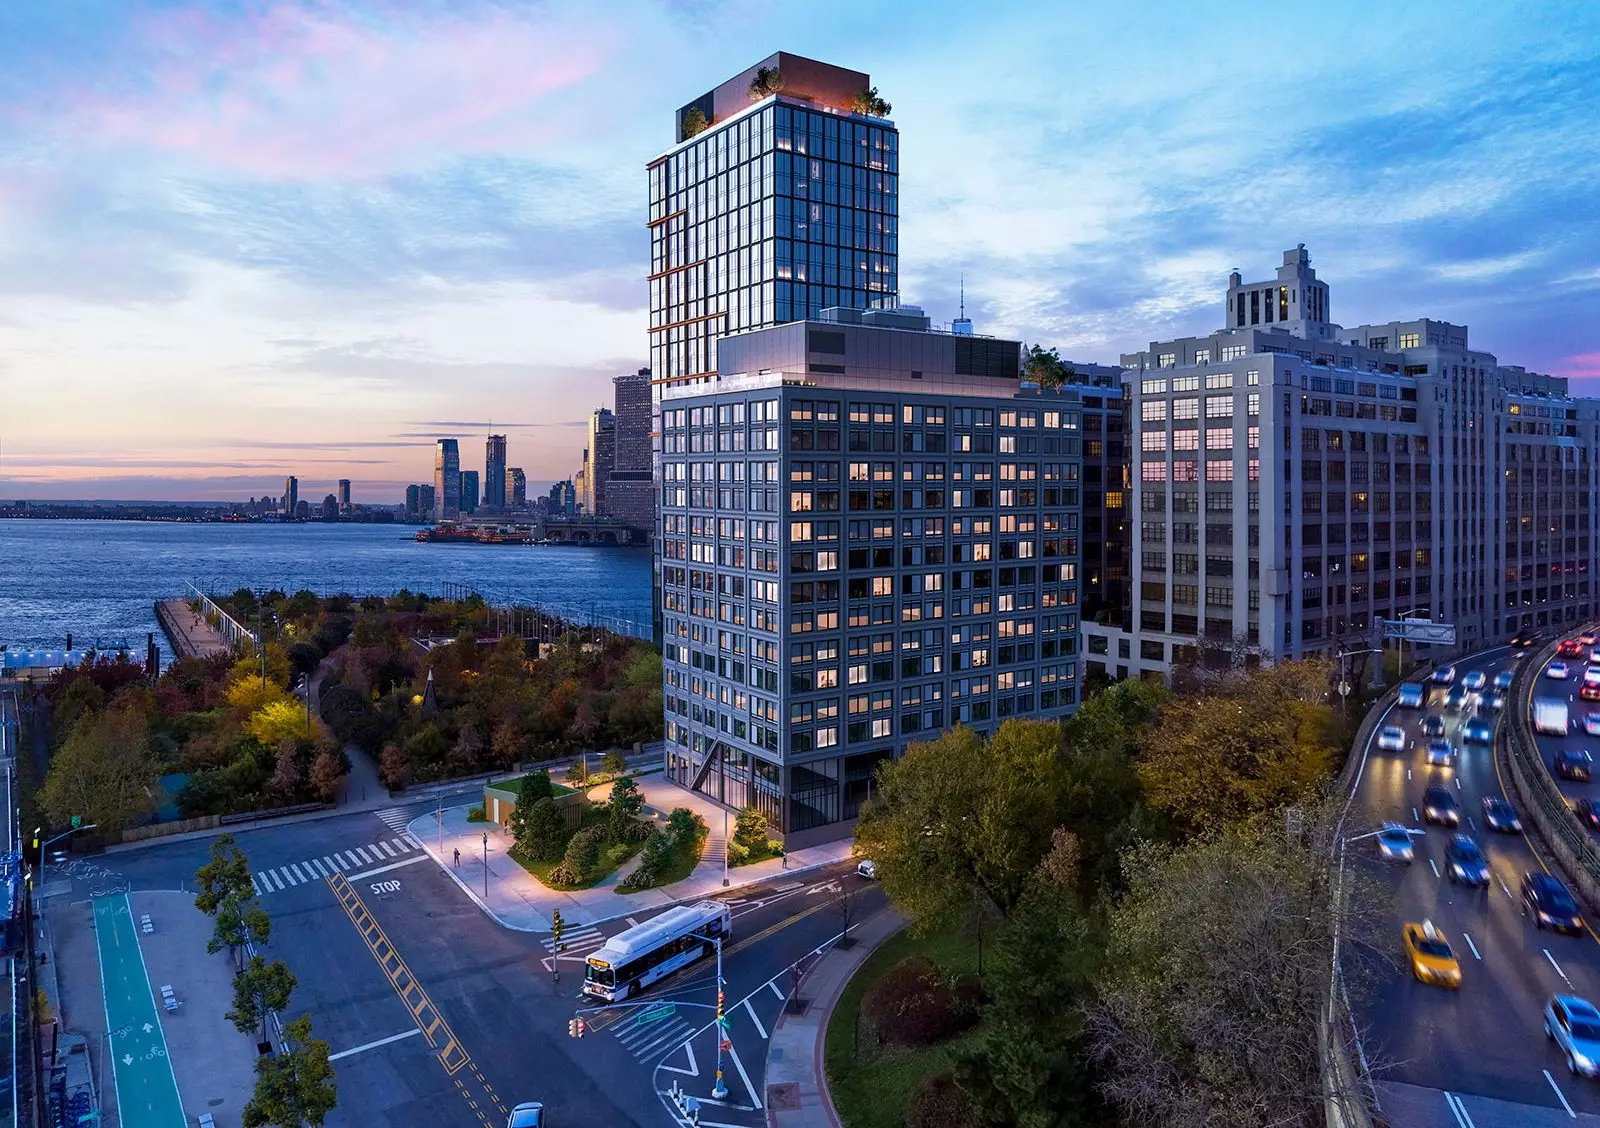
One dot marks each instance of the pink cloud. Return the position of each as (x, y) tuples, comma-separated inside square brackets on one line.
[(287, 93), (1578, 366)]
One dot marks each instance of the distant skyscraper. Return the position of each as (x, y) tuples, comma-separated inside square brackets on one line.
[(344, 495), (330, 508), (291, 496), (516, 488), (413, 502), (428, 501), (629, 494), (446, 480), (469, 491), (494, 472), (563, 499), (599, 458)]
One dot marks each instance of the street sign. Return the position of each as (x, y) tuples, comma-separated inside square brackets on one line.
[(658, 1012), (1420, 630), (77, 821)]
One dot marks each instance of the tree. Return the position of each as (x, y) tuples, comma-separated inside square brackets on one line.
[(1265, 741), (767, 81), (259, 987), (868, 102), (1046, 368), (239, 922), (582, 855), (105, 772), (394, 767), (750, 829), (623, 807), (286, 775), (327, 773), (539, 828), (1226, 942), (955, 820), (277, 721), (226, 876), (613, 762), (295, 1085), (694, 122)]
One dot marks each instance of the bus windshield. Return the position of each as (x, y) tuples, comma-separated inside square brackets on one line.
[(604, 976)]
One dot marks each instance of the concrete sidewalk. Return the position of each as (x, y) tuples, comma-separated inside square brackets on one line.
[(797, 1078), (517, 900), (199, 638)]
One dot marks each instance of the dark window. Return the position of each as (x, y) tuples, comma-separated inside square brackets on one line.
[(823, 341)]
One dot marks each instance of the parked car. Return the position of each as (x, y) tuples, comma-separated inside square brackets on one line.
[(867, 869)]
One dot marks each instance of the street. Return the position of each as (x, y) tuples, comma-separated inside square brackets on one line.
[(436, 1015)]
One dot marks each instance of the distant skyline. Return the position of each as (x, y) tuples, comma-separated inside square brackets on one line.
[(243, 240)]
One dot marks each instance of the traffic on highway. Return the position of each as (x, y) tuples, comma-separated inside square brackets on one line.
[(1489, 1017)]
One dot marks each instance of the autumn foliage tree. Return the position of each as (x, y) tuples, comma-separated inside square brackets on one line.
[(105, 771)]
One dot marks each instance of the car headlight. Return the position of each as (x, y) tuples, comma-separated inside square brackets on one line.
[(1457, 870), (1544, 917), (1583, 1061)]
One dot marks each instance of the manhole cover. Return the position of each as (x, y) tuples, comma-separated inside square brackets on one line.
[(783, 1096)]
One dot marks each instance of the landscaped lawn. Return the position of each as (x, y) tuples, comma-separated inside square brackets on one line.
[(755, 856), (873, 1091), (610, 858), (684, 859)]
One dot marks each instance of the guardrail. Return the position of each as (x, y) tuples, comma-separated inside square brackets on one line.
[(1542, 802), (234, 631)]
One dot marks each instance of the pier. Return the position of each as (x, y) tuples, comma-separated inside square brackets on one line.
[(188, 631)]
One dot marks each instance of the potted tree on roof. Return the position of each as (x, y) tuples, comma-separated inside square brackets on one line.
[(767, 81), (870, 103), (1045, 367)]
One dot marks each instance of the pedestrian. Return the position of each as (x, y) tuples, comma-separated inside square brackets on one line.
[(458, 857)]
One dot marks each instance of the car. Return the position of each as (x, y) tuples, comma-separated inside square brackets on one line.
[(1573, 764), (528, 1114), (1591, 672), (1475, 681), (1498, 815), (1495, 702), (1504, 678), (1464, 861), (1573, 1024), (1410, 695), (1392, 738), (1591, 723), (1439, 805), (1549, 904), (1557, 671), (1589, 691), (1455, 697), (1594, 654), (1429, 954), (1441, 753), (1569, 648), (1587, 638), (1588, 814), (1432, 726), (1478, 731), (1444, 675), (1394, 843), (867, 868)]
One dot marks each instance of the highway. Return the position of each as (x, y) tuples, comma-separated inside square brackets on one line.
[(1477, 1057)]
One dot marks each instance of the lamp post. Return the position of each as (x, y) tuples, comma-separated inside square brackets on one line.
[(486, 865), (720, 1090), (724, 866), (1400, 652)]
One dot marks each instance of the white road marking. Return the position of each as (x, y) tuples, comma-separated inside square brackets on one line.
[(1557, 966), (1457, 1110), (333, 866), (384, 846), (1559, 1094), (752, 1012), (1471, 945), (350, 860), (306, 874), (631, 922), (775, 991), (362, 854), (1434, 866), (657, 1044), (385, 869), (1458, 783), (751, 1089), (316, 865), (694, 1068), (1408, 775), (401, 845), (255, 887), (283, 878), (373, 1045), (1413, 814), (1504, 886)]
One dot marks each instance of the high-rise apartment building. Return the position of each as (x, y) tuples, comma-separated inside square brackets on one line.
[(516, 487), (1292, 481), (494, 473), (870, 533), (344, 495), (291, 496), (446, 480), (469, 492), (598, 458), (630, 496), (563, 499)]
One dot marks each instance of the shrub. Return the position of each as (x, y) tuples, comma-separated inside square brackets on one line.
[(940, 1103), (912, 1005), (683, 824), (394, 768), (583, 854), (614, 763), (737, 852), (540, 829), (750, 830), (536, 786), (476, 815), (653, 859)]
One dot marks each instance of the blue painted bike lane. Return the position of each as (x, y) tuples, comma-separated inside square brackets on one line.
[(147, 1090)]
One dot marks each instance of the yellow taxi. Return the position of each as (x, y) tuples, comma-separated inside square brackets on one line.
[(1432, 961)]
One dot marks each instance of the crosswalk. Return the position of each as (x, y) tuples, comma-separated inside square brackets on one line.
[(577, 940), (647, 1041), (396, 818), (350, 860)]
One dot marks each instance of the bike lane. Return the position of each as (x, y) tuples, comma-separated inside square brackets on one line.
[(147, 1090)]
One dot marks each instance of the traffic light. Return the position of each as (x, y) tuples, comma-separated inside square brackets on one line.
[(558, 929), (576, 1028)]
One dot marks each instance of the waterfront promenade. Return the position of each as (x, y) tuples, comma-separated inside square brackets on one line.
[(190, 635)]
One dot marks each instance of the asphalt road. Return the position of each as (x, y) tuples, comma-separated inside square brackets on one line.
[(1478, 1056), (435, 1015)]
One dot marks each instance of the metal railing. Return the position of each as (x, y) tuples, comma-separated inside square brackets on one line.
[(234, 631)]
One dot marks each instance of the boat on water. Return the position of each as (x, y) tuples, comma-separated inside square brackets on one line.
[(476, 534)]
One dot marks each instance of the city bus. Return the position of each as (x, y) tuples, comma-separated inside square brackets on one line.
[(630, 961)]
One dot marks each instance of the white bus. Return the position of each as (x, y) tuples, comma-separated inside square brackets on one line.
[(630, 961)]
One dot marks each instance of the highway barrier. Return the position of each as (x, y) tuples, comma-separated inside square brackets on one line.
[(1544, 808)]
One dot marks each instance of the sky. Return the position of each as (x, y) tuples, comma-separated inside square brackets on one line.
[(242, 240)]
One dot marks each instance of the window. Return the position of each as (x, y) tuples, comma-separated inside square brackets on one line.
[(1219, 470), (1219, 438), (1167, 360), (1411, 340), (1234, 352), (1153, 440), (1187, 408), (1152, 411), (1219, 380)]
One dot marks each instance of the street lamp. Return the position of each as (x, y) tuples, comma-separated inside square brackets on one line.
[(1338, 906)]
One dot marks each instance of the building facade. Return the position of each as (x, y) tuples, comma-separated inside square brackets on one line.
[(599, 456), (494, 473), (446, 480), (870, 534), (291, 496), (469, 492), (1293, 483), (516, 488), (344, 495), (563, 499), (630, 494)]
